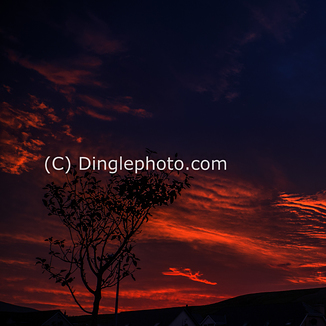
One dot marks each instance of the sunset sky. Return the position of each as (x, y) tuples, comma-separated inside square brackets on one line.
[(243, 81)]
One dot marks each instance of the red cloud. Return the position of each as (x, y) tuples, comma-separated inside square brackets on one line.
[(15, 262), (7, 88), (59, 75), (15, 118), (245, 220), (92, 101), (20, 139), (18, 148), (304, 204), (49, 112), (67, 132), (64, 74), (118, 106), (187, 273), (16, 155), (317, 278), (96, 115)]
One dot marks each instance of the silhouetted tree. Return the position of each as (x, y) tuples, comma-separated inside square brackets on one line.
[(102, 221)]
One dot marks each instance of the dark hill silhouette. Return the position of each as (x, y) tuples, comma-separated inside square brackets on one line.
[(8, 307), (309, 296), (242, 304), (285, 302)]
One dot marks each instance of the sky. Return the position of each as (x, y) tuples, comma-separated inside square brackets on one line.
[(242, 81)]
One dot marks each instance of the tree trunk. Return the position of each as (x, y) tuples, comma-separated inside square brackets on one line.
[(96, 303)]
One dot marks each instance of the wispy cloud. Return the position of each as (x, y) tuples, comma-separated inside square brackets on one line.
[(95, 114), (14, 262), (93, 35), (20, 237), (317, 278), (26, 131), (188, 273), (18, 146), (46, 110), (7, 88), (65, 73), (18, 119), (70, 73), (281, 231), (67, 131), (120, 105), (307, 204)]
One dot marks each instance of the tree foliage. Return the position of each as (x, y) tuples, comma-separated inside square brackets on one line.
[(102, 219)]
